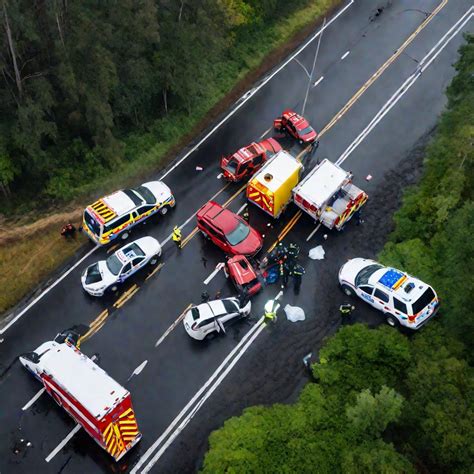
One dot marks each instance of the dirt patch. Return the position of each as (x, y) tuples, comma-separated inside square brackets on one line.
[(276, 374)]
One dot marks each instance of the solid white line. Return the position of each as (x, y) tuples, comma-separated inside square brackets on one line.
[(242, 208), (61, 278), (256, 89), (344, 56), (170, 329), (318, 81), (219, 267), (313, 232), (201, 402), (168, 430), (265, 133), (405, 87), (63, 443), (33, 400)]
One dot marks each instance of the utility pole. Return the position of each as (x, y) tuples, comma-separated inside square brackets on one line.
[(310, 78)]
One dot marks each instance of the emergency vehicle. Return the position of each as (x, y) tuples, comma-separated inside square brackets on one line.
[(270, 189), (296, 125), (114, 215), (403, 299), (249, 159), (91, 397), (327, 194)]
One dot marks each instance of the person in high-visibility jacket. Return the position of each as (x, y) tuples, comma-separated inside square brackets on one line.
[(271, 308), (346, 312), (177, 236)]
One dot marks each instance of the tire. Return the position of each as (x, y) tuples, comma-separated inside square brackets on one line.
[(113, 288), (347, 290), (125, 235), (391, 320), (164, 210), (210, 336), (154, 260)]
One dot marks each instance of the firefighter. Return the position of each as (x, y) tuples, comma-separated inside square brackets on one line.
[(177, 236), (69, 230), (285, 271), (271, 308), (297, 273), (346, 311), (281, 251), (293, 251)]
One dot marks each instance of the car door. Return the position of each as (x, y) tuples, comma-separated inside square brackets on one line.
[(218, 238), (207, 325), (366, 292), (137, 263), (125, 272), (381, 300)]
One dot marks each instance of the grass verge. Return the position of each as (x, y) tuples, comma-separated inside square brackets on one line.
[(31, 252)]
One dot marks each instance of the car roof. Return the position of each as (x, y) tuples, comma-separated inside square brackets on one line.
[(129, 252), (220, 217), (297, 120), (247, 152), (397, 283), (213, 308), (119, 202)]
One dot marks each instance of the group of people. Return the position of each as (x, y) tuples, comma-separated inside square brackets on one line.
[(287, 260)]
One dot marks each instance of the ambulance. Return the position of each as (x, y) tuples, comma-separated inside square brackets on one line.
[(91, 397), (270, 189), (327, 194)]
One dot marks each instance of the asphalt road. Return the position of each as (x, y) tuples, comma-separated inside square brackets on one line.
[(264, 366)]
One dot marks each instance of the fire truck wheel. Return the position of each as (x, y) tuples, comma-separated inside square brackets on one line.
[(164, 210), (392, 321), (347, 290), (124, 236)]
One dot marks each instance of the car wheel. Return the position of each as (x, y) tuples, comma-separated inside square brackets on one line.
[(347, 290), (125, 235), (209, 336), (113, 288), (391, 320), (154, 259), (164, 210)]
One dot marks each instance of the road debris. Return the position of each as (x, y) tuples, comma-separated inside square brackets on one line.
[(294, 313), (317, 253)]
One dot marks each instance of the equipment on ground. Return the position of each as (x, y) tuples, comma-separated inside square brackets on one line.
[(91, 397)]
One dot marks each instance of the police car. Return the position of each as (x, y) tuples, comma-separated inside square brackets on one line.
[(403, 299), (109, 274), (208, 318)]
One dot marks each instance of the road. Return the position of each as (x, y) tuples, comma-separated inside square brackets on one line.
[(363, 61)]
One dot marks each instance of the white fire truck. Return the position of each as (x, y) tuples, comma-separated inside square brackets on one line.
[(327, 194), (91, 397)]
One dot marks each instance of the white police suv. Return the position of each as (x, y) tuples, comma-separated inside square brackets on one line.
[(108, 274), (403, 299), (211, 317)]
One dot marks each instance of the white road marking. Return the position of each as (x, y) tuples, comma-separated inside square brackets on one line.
[(256, 89), (170, 329), (46, 291), (219, 267), (63, 443), (318, 81), (313, 232), (168, 430), (265, 133), (403, 89), (242, 208), (344, 56), (33, 400), (253, 92), (219, 176)]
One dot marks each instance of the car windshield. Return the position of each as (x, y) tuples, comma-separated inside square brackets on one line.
[(93, 274), (114, 264), (91, 223), (423, 301), (363, 276), (306, 130), (146, 194), (231, 166), (137, 200), (238, 234)]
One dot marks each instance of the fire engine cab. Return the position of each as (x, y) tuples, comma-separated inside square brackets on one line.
[(327, 194), (91, 397), (249, 159)]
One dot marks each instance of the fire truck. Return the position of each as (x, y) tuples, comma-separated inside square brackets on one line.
[(91, 397), (249, 159), (327, 194), (270, 189)]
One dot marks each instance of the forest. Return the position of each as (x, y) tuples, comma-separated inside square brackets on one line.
[(382, 401), (90, 90)]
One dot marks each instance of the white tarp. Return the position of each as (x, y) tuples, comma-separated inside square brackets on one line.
[(294, 313), (317, 253)]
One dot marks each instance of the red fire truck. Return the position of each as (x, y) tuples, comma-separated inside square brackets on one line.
[(91, 397), (249, 159)]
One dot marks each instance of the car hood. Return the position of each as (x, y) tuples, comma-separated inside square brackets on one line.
[(352, 267), (241, 274), (97, 275), (250, 245), (159, 190), (309, 137)]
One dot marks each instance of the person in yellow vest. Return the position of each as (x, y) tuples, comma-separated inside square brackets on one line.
[(177, 236), (270, 314)]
